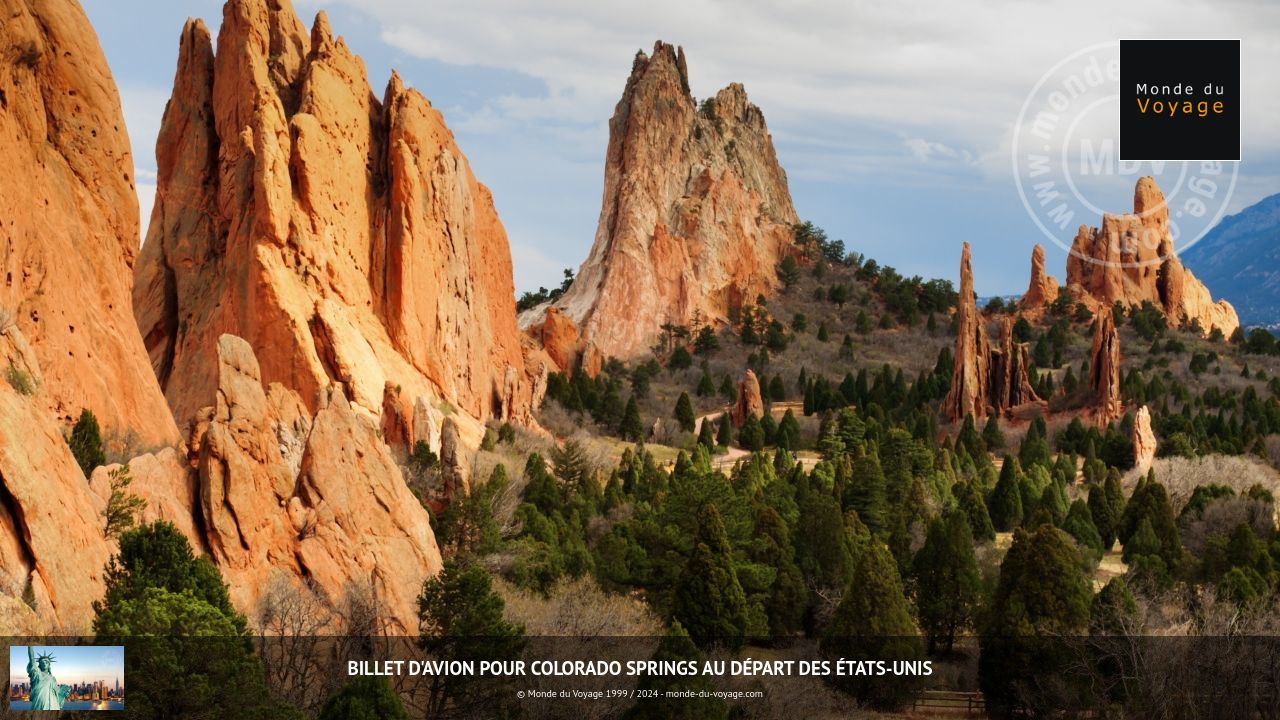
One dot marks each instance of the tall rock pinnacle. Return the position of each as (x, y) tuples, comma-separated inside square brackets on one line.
[(696, 211), (342, 236), (968, 393), (1104, 369), (1131, 259)]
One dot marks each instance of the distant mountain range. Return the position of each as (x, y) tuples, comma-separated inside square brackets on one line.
[(1239, 260)]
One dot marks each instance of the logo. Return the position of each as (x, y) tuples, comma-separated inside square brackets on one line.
[(1068, 168)]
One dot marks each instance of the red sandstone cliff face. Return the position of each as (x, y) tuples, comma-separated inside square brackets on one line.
[(69, 221), (696, 211), (1130, 259), (342, 235)]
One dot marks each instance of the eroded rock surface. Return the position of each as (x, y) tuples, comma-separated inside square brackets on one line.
[(1130, 259), (696, 212), (342, 235)]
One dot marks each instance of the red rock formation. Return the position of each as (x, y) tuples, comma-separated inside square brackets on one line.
[(968, 393), (1009, 385), (559, 337), (696, 212), (749, 400), (320, 498), (1131, 259), (1144, 440), (52, 547), (1104, 369), (1043, 289), (343, 236), (69, 228)]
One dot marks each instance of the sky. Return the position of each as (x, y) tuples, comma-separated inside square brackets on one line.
[(73, 664), (896, 122)]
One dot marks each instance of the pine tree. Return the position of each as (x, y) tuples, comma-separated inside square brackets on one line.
[(991, 434), (706, 386), (691, 696), (788, 432), (728, 390), (86, 443), (969, 500), (873, 620), (948, 586), (364, 698), (866, 494), (1005, 503), (631, 427), (708, 599), (706, 438), (684, 413), (787, 596), (724, 433), (1043, 594), (823, 334), (1079, 525), (751, 434), (461, 617), (1113, 610), (777, 390)]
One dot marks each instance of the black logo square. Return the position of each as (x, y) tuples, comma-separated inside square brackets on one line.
[(1179, 99)]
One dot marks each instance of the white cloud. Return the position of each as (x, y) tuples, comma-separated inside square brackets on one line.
[(957, 70)]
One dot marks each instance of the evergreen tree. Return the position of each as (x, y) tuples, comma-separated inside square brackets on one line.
[(948, 586), (706, 386), (631, 427), (364, 698), (1113, 610), (684, 413), (1150, 502), (691, 697), (187, 643), (708, 599), (991, 435), (1042, 595), (751, 434), (866, 494), (1079, 525), (706, 438), (873, 620), (969, 501), (777, 390), (787, 596), (788, 432), (823, 334), (86, 443), (461, 618), (728, 390), (724, 433), (1005, 503)]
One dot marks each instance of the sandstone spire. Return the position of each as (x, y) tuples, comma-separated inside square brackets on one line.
[(968, 393), (344, 237), (749, 402), (1009, 385), (69, 233), (1043, 289), (1144, 440), (1131, 259), (696, 212), (1104, 369)]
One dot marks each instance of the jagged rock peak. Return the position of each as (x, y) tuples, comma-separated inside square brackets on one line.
[(695, 217), (343, 237), (1130, 259), (69, 234)]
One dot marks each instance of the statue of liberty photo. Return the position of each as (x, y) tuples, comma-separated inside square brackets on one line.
[(46, 693)]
